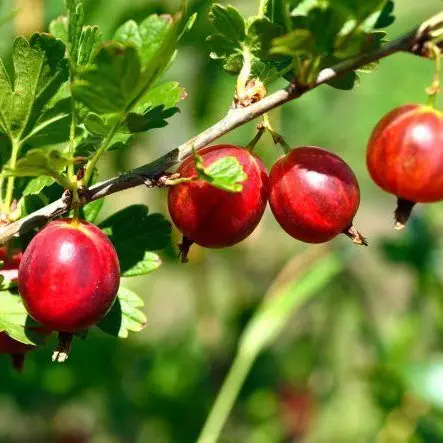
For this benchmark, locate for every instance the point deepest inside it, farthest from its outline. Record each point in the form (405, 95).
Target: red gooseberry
(314, 195)
(69, 277)
(405, 157)
(8, 345)
(212, 217)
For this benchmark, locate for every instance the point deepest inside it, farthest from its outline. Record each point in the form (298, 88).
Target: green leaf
(90, 40)
(53, 125)
(224, 173)
(360, 10)
(152, 118)
(295, 43)
(109, 84)
(148, 264)
(166, 94)
(59, 29)
(36, 185)
(91, 210)
(75, 27)
(154, 108)
(345, 82)
(125, 315)
(277, 11)
(386, 16)
(147, 37)
(134, 232)
(37, 162)
(39, 70)
(228, 22)
(14, 319)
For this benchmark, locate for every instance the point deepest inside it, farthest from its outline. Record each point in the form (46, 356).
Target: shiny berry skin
(405, 156)
(69, 276)
(314, 195)
(212, 217)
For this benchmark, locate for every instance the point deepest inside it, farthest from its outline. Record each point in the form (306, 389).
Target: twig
(414, 42)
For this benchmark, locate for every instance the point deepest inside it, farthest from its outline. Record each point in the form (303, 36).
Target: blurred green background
(361, 361)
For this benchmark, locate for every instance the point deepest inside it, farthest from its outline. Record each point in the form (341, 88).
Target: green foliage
(39, 71)
(14, 319)
(135, 234)
(238, 40)
(38, 163)
(110, 83)
(125, 315)
(225, 173)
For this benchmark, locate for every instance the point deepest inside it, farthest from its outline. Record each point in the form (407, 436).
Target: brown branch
(415, 42)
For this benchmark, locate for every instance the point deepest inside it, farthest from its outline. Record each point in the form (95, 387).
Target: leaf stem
(16, 145)
(89, 170)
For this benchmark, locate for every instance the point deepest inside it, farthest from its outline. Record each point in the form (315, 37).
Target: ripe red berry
(11, 262)
(314, 195)
(16, 349)
(212, 217)
(405, 157)
(69, 276)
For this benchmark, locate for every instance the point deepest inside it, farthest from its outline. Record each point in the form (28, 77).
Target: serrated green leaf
(134, 231)
(385, 16)
(228, 22)
(59, 29)
(125, 315)
(75, 26)
(154, 108)
(36, 185)
(98, 125)
(14, 319)
(109, 84)
(37, 162)
(166, 94)
(297, 42)
(360, 10)
(151, 119)
(146, 37)
(39, 70)
(148, 264)
(90, 39)
(224, 173)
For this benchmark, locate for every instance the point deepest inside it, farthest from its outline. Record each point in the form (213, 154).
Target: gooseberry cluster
(314, 195)
(69, 275)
